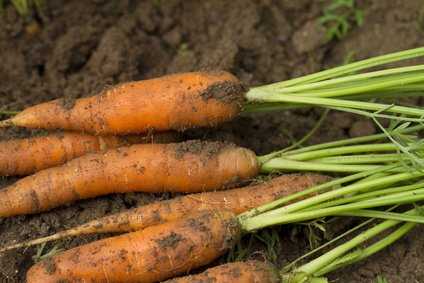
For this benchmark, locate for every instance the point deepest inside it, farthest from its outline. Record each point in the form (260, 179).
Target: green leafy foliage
(314, 230)
(24, 7)
(381, 279)
(339, 17)
(247, 246)
(42, 254)
(271, 239)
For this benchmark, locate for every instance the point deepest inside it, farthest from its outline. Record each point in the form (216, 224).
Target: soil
(77, 48)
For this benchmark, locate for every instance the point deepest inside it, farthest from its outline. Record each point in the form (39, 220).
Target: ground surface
(76, 48)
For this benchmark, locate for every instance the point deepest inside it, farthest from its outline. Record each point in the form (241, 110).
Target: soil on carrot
(72, 49)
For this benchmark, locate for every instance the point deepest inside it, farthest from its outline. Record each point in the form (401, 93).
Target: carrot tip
(6, 123)
(11, 247)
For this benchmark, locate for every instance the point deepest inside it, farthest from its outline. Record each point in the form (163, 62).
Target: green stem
(359, 87)
(371, 138)
(350, 68)
(341, 150)
(341, 143)
(292, 165)
(332, 241)
(361, 159)
(321, 262)
(268, 219)
(281, 215)
(315, 189)
(353, 78)
(370, 195)
(364, 253)
(378, 115)
(264, 96)
(269, 107)
(9, 113)
(383, 215)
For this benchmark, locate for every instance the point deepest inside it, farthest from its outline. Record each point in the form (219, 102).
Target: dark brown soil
(78, 48)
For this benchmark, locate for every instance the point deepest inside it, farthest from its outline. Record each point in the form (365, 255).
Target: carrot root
(236, 200)
(178, 167)
(151, 255)
(173, 102)
(6, 123)
(29, 155)
(241, 272)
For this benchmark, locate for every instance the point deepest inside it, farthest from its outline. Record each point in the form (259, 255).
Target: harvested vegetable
(235, 200)
(196, 167)
(241, 272)
(321, 90)
(29, 155)
(363, 185)
(198, 99)
(347, 253)
(150, 255)
(189, 167)
(173, 102)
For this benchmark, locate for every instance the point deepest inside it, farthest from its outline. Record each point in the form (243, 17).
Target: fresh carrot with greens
(28, 155)
(113, 256)
(187, 167)
(150, 255)
(199, 99)
(347, 253)
(173, 102)
(252, 271)
(193, 166)
(170, 249)
(236, 200)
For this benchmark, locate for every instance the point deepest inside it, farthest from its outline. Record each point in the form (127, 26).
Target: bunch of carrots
(102, 153)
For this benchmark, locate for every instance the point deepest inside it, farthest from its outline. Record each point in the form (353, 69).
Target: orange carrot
(237, 272)
(173, 102)
(150, 255)
(29, 155)
(192, 166)
(236, 200)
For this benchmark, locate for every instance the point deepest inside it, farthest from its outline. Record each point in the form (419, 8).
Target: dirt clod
(205, 148)
(227, 92)
(170, 241)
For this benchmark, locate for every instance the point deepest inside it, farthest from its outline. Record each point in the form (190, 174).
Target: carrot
(173, 102)
(192, 166)
(29, 155)
(241, 272)
(150, 255)
(236, 200)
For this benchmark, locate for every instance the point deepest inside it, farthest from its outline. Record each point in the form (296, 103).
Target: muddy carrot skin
(173, 102)
(236, 200)
(29, 155)
(192, 166)
(236, 272)
(151, 255)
